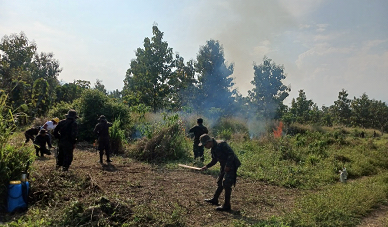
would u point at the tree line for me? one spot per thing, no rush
(160, 80)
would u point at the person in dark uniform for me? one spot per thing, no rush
(229, 163)
(66, 131)
(40, 143)
(102, 132)
(197, 131)
(31, 133)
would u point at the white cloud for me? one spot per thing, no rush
(300, 8)
(321, 27)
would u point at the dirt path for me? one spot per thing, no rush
(145, 186)
(177, 188)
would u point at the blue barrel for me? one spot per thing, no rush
(16, 201)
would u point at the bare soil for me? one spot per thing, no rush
(140, 185)
(166, 189)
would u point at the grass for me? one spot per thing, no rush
(308, 161)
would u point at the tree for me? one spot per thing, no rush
(183, 83)
(15, 68)
(21, 68)
(100, 86)
(361, 111)
(147, 80)
(341, 109)
(215, 81)
(71, 91)
(269, 91)
(45, 66)
(40, 97)
(301, 107)
(379, 115)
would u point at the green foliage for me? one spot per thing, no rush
(215, 88)
(40, 97)
(22, 68)
(311, 159)
(149, 79)
(167, 142)
(13, 160)
(117, 137)
(94, 103)
(269, 91)
(225, 127)
(340, 204)
(60, 109)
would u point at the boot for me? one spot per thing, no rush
(226, 206)
(107, 158)
(101, 159)
(214, 200)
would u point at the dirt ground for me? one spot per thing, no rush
(166, 189)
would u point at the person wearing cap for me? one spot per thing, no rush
(221, 152)
(40, 143)
(50, 126)
(102, 131)
(66, 132)
(197, 131)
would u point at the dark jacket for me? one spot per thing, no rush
(67, 131)
(223, 153)
(33, 131)
(198, 130)
(102, 129)
(41, 141)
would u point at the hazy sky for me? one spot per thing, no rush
(324, 45)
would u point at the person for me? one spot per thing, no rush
(102, 131)
(40, 143)
(50, 126)
(221, 152)
(198, 130)
(31, 133)
(66, 132)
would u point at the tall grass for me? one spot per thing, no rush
(165, 141)
(341, 204)
(13, 159)
(310, 160)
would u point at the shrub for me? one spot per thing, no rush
(94, 103)
(225, 127)
(166, 143)
(13, 160)
(117, 137)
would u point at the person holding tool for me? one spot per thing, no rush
(229, 163)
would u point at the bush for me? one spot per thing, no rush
(225, 127)
(13, 160)
(166, 143)
(94, 103)
(117, 137)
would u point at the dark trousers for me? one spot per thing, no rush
(65, 154)
(225, 181)
(42, 150)
(198, 151)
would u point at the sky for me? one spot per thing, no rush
(324, 45)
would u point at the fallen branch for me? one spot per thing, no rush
(189, 167)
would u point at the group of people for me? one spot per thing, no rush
(43, 136)
(220, 152)
(66, 131)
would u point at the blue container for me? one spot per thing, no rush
(17, 195)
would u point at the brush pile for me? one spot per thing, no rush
(165, 144)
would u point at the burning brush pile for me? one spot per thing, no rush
(166, 143)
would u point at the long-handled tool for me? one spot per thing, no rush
(189, 167)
